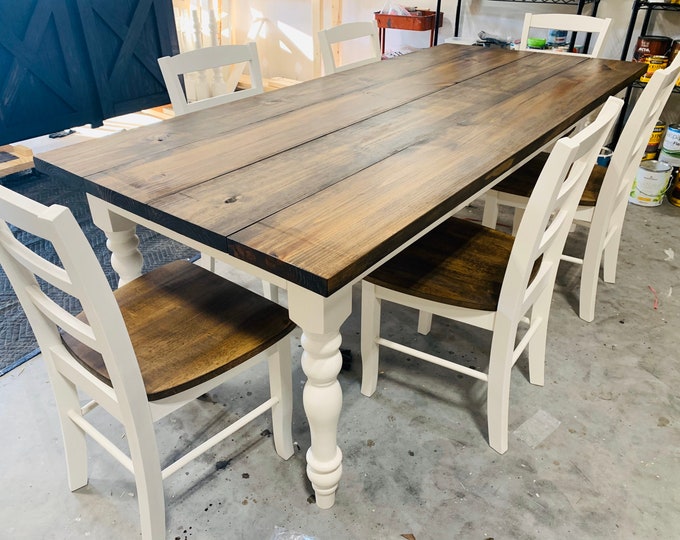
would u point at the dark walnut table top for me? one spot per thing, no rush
(319, 181)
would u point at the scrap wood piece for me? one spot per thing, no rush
(16, 158)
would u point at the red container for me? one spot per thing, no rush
(419, 21)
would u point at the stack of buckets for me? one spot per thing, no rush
(658, 177)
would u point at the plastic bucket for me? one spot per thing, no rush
(651, 183)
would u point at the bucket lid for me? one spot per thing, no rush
(654, 165)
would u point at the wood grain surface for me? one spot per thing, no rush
(319, 181)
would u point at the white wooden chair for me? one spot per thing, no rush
(489, 279)
(367, 30)
(214, 85)
(569, 22)
(602, 207)
(142, 352)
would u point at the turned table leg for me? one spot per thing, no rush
(320, 319)
(122, 240)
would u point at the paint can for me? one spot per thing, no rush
(673, 194)
(651, 183)
(675, 49)
(671, 141)
(651, 46)
(652, 149)
(674, 191)
(653, 63)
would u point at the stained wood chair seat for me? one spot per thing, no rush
(188, 325)
(522, 181)
(460, 263)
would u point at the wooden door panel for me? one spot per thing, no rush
(47, 84)
(124, 39)
(65, 63)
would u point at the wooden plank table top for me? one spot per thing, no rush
(313, 185)
(321, 180)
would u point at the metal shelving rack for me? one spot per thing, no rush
(649, 8)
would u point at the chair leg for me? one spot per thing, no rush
(424, 322)
(281, 385)
(75, 444)
(370, 332)
(498, 391)
(516, 220)
(490, 215)
(611, 257)
(148, 478)
(270, 292)
(590, 275)
(537, 346)
(207, 262)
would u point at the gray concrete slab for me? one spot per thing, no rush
(593, 454)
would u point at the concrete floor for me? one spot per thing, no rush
(593, 454)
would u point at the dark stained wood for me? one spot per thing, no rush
(188, 325)
(474, 257)
(379, 86)
(522, 181)
(319, 181)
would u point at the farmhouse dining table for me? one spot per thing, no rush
(312, 186)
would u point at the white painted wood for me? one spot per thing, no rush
(347, 32)
(321, 319)
(541, 238)
(570, 22)
(605, 219)
(210, 58)
(105, 331)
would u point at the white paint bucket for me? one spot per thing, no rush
(651, 183)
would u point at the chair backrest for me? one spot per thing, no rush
(549, 213)
(348, 32)
(612, 201)
(569, 22)
(78, 275)
(206, 66)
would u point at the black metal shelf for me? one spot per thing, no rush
(649, 8)
(638, 84)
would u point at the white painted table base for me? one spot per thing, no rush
(319, 318)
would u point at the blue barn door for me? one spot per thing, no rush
(65, 63)
(124, 40)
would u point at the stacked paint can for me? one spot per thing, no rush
(653, 51)
(670, 153)
(653, 175)
(652, 149)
